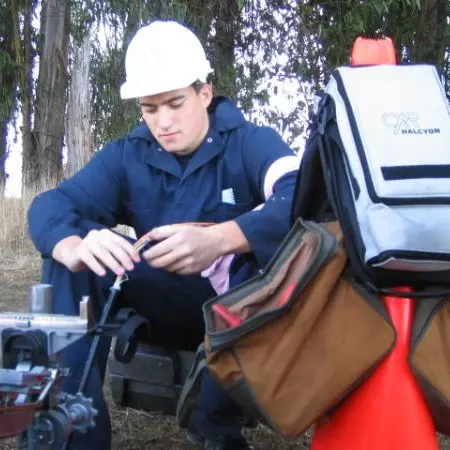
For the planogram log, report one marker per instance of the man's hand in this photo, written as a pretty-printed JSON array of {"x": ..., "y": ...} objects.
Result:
[
  {"x": 188, "y": 249},
  {"x": 99, "y": 250}
]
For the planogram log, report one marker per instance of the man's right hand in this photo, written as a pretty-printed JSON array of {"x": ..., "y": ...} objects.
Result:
[{"x": 98, "y": 251}]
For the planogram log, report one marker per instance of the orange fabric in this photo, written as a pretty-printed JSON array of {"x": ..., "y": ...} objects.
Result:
[{"x": 373, "y": 51}]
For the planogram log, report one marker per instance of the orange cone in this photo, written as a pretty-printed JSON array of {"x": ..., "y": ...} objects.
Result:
[
  {"x": 388, "y": 411},
  {"x": 368, "y": 51}
]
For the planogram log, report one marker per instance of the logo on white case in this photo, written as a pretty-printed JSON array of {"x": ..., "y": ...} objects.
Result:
[{"x": 406, "y": 123}]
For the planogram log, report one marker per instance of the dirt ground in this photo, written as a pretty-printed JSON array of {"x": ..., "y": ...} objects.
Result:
[{"x": 132, "y": 429}]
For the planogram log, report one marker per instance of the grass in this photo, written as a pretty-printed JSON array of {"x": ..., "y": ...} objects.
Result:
[{"x": 14, "y": 236}]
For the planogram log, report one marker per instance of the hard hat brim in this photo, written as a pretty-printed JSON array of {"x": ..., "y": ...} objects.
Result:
[{"x": 130, "y": 90}]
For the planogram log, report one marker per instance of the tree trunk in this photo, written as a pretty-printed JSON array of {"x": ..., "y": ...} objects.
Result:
[
  {"x": 8, "y": 89},
  {"x": 227, "y": 27},
  {"x": 78, "y": 120},
  {"x": 431, "y": 42},
  {"x": 25, "y": 60},
  {"x": 199, "y": 18},
  {"x": 3, "y": 153},
  {"x": 51, "y": 90}
]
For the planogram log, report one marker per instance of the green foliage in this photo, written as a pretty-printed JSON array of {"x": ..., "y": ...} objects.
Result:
[
  {"x": 270, "y": 82},
  {"x": 419, "y": 33},
  {"x": 111, "y": 117},
  {"x": 283, "y": 49}
]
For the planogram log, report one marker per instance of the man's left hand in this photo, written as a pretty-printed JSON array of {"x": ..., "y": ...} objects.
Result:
[{"x": 184, "y": 249}]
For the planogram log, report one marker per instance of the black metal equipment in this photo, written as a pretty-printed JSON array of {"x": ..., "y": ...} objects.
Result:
[
  {"x": 153, "y": 380},
  {"x": 32, "y": 404}
]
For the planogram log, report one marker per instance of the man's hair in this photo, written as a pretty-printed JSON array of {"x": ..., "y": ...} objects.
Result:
[{"x": 197, "y": 85}]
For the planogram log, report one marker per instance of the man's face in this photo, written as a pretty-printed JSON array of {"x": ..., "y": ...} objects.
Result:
[{"x": 178, "y": 119}]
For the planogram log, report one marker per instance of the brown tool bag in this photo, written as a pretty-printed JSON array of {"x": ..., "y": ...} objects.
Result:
[
  {"x": 430, "y": 356},
  {"x": 289, "y": 344}
]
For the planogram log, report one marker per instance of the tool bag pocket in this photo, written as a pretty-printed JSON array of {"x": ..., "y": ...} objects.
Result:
[
  {"x": 289, "y": 344},
  {"x": 430, "y": 357}
]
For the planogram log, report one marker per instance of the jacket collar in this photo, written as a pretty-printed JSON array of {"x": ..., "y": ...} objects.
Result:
[{"x": 223, "y": 115}]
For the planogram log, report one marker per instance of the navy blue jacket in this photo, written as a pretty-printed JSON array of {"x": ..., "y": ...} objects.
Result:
[{"x": 133, "y": 181}]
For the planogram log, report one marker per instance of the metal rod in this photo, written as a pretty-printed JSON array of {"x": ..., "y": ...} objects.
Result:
[
  {"x": 114, "y": 292},
  {"x": 96, "y": 340}
]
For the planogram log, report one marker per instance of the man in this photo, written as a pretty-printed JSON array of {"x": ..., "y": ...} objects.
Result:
[{"x": 194, "y": 158}]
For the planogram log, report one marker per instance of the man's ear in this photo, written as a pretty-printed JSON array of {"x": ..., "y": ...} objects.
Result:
[{"x": 206, "y": 94}]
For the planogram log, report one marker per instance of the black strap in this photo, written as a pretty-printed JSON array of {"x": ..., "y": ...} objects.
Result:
[
  {"x": 191, "y": 388},
  {"x": 135, "y": 328}
]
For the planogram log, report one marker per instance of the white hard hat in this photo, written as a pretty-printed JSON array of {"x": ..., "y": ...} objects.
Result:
[{"x": 162, "y": 57}]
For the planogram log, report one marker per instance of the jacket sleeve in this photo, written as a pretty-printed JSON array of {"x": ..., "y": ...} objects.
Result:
[
  {"x": 272, "y": 169},
  {"x": 88, "y": 200}
]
